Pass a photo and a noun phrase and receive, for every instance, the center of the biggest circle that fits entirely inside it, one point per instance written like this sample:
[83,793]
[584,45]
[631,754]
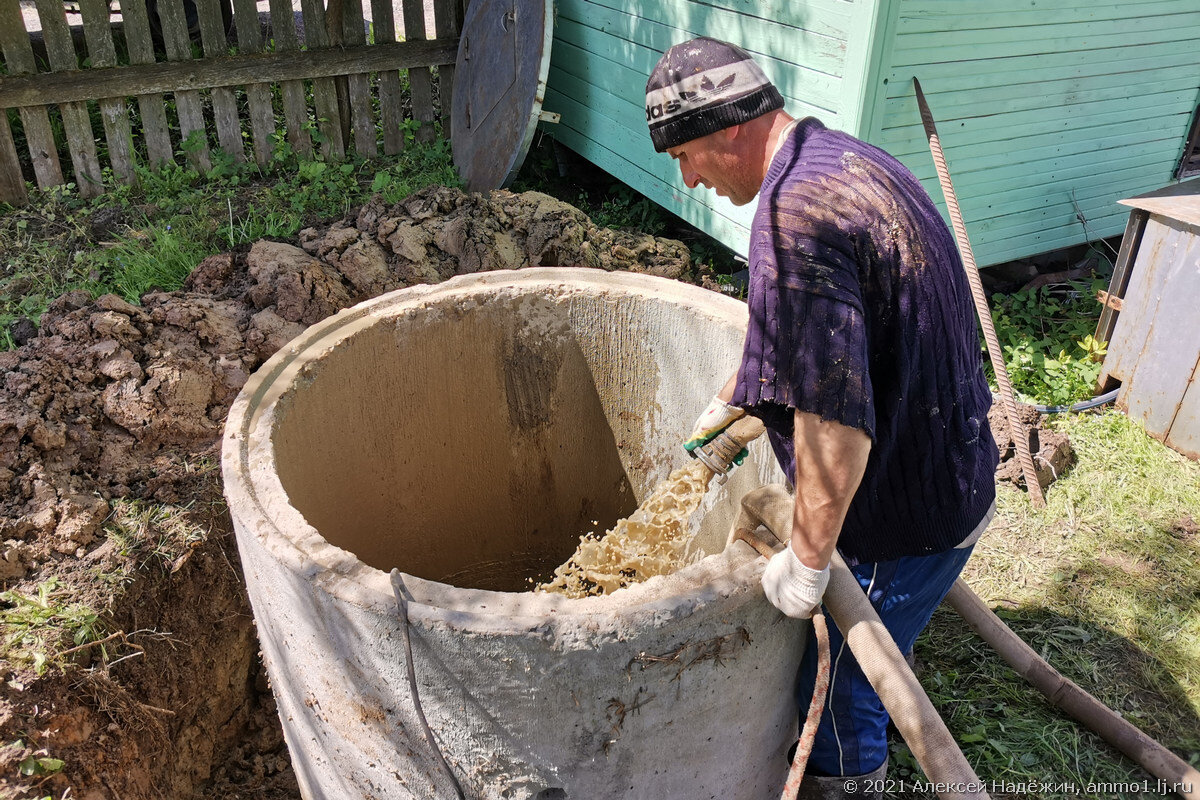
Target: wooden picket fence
[334,65]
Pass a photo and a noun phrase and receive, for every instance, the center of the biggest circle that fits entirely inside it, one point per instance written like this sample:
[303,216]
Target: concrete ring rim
[343,575]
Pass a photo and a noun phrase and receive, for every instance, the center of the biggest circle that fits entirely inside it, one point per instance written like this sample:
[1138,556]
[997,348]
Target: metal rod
[1019,436]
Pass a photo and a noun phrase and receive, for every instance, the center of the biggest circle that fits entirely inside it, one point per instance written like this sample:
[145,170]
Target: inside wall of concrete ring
[467,433]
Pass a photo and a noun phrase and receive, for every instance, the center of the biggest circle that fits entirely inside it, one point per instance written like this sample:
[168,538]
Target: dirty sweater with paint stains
[860,312]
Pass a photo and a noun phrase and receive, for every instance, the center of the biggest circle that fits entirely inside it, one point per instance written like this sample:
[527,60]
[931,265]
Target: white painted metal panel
[1179,201]
[1184,435]
[1156,342]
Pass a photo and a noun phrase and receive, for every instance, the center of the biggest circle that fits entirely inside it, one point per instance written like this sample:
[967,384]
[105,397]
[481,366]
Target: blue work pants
[852,737]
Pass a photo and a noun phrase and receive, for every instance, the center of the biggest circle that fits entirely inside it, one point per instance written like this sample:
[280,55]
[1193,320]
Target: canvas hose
[816,705]
[871,645]
[1016,429]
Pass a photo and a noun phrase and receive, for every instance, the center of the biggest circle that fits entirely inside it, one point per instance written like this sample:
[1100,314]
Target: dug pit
[110,420]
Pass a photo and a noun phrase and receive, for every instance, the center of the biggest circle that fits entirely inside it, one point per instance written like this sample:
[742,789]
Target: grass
[132,240]
[1103,584]
[59,618]
[62,616]
[40,628]
[150,535]
[152,256]
[58,628]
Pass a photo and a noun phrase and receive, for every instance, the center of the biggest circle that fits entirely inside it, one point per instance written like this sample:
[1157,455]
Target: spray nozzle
[718,454]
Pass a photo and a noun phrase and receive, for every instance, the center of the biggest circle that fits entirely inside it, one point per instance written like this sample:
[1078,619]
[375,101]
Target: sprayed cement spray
[653,540]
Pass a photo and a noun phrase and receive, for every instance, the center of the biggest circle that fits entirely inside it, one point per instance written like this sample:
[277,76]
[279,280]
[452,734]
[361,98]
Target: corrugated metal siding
[815,52]
[1047,111]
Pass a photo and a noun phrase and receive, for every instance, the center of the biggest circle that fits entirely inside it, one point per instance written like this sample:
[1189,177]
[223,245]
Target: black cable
[1083,405]
[398,589]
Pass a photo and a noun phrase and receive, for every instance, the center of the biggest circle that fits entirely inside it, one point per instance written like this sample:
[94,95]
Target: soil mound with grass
[134,672]
[113,399]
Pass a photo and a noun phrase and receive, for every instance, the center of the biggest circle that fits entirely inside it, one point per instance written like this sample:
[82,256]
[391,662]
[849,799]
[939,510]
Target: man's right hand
[716,418]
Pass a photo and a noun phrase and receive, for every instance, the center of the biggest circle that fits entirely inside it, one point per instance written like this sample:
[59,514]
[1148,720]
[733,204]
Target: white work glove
[716,418]
[792,587]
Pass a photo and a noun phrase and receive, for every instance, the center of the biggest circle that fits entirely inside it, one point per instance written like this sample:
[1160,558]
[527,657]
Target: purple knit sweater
[860,313]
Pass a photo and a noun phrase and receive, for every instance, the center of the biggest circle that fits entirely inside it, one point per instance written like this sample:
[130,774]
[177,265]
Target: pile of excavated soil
[114,400]
[114,410]
[1051,451]
[110,422]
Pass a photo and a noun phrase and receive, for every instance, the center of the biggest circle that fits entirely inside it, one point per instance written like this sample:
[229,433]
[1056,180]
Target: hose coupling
[718,454]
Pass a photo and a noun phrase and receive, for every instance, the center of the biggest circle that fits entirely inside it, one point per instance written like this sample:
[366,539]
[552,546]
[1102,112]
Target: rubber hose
[745,529]
[398,589]
[1083,405]
[812,721]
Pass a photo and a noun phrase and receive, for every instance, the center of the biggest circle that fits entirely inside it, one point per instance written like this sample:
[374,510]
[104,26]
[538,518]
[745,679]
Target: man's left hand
[717,417]
[793,588]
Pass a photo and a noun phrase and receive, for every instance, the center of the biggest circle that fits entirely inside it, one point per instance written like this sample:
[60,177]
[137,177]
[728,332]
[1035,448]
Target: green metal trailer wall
[604,50]
[1049,110]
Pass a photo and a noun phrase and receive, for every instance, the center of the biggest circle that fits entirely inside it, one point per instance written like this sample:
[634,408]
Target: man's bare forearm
[726,392]
[830,459]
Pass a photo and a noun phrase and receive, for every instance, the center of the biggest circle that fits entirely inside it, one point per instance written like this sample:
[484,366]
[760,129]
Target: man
[862,359]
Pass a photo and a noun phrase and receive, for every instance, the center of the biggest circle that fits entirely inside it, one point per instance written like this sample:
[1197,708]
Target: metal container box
[1154,348]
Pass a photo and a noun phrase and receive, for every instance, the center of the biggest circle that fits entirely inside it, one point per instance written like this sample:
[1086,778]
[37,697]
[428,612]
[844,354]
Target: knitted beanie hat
[702,86]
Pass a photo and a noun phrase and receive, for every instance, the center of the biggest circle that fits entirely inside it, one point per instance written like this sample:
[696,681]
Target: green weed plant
[626,209]
[38,627]
[1047,339]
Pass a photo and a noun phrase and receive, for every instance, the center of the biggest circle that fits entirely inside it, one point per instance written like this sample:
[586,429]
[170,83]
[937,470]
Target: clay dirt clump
[1051,450]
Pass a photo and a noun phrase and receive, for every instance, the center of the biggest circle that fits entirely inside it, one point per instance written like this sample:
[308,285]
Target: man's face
[716,162]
